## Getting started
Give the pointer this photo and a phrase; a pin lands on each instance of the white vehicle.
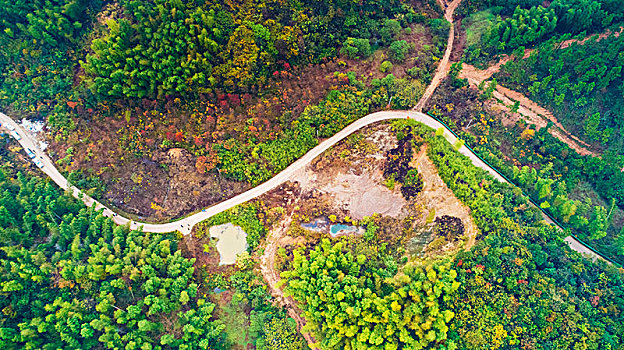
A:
(10, 127)
(30, 153)
(16, 135)
(38, 163)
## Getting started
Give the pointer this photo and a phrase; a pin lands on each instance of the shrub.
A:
(390, 29)
(406, 93)
(449, 226)
(385, 66)
(412, 184)
(356, 47)
(398, 50)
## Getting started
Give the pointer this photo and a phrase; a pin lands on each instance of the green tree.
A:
(398, 50)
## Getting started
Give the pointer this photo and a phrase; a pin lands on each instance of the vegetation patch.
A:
(374, 305)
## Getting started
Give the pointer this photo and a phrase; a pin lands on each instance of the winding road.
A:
(186, 224)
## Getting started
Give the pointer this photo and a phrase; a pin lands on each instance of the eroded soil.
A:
(528, 110)
(437, 196)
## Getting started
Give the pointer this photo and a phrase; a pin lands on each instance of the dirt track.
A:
(277, 238)
(444, 66)
(533, 113)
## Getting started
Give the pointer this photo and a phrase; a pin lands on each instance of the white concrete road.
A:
(185, 224)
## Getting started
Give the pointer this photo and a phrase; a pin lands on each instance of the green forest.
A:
(160, 109)
(71, 278)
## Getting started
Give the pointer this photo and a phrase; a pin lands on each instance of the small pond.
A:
(232, 240)
(342, 229)
(322, 224)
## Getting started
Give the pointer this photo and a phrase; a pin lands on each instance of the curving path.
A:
(185, 225)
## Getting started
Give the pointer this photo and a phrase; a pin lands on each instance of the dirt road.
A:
(534, 113)
(278, 238)
(444, 66)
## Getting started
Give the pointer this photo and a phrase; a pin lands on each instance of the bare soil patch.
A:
(437, 196)
(459, 43)
(347, 181)
(351, 174)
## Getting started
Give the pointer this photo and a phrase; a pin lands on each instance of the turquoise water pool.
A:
(341, 229)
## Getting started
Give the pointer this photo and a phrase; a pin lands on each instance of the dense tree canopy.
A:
(358, 303)
(513, 281)
(71, 278)
(530, 22)
(185, 47)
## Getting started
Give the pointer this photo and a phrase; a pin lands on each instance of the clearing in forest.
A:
(348, 183)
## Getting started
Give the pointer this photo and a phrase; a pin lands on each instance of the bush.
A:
(356, 47)
(412, 184)
(385, 66)
(449, 226)
(398, 50)
(390, 29)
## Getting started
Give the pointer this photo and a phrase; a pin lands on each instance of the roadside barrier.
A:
(551, 217)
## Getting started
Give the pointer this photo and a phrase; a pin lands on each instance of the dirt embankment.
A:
(532, 112)
(536, 115)
(601, 36)
(485, 74)
(437, 195)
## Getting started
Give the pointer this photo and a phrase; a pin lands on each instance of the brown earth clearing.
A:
(347, 181)
(528, 110)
